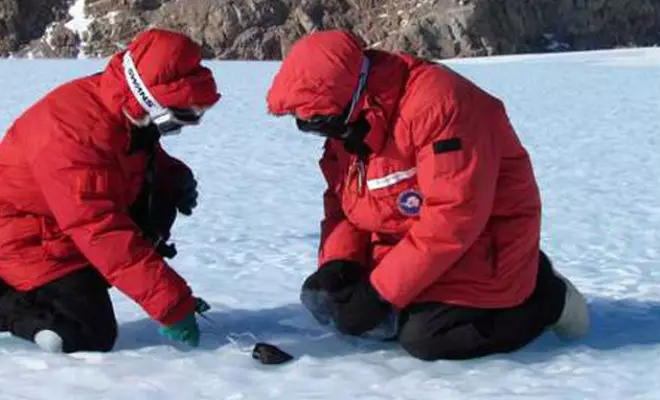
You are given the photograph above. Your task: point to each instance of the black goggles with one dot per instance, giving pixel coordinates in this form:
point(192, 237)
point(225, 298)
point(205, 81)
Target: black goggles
point(171, 120)
point(337, 126)
point(333, 126)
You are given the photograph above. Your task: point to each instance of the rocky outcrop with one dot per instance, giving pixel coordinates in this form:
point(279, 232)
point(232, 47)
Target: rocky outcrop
point(265, 29)
point(22, 21)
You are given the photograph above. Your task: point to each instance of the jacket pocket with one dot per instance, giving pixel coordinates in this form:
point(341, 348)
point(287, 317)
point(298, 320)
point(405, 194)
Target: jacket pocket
point(390, 200)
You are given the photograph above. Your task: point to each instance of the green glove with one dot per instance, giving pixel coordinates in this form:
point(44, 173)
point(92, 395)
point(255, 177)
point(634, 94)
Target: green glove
point(186, 331)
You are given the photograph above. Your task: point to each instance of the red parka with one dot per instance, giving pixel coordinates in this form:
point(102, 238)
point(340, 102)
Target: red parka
point(67, 177)
point(447, 207)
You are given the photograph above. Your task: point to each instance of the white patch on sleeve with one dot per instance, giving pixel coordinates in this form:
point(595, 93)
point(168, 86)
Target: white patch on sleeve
point(391, 179)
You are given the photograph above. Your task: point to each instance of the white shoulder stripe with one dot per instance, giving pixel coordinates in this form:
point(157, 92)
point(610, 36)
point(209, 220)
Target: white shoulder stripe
point(391, 179)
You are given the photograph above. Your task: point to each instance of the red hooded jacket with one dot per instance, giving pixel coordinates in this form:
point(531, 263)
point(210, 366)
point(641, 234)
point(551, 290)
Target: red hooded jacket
point(68, 177)
point(447, 207)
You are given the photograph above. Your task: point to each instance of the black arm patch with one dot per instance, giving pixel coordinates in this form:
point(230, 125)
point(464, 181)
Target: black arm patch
point(447, 145)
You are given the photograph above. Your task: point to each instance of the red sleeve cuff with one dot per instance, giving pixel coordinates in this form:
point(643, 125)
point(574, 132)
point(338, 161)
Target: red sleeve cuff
point(179, 312)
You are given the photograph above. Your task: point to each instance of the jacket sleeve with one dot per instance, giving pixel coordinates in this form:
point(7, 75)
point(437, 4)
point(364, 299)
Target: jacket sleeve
point(457, 166)
point(85, 190)
point(340, 240)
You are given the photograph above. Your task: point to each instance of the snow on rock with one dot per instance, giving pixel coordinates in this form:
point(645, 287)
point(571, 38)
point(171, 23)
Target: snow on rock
point(79, 24)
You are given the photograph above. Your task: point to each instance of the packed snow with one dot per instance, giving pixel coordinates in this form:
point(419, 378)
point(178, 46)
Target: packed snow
point(590, 122)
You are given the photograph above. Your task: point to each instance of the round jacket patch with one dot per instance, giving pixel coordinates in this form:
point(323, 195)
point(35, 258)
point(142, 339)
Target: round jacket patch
point(409, 202)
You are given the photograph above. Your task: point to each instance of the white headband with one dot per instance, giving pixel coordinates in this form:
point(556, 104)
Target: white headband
point(139, 89)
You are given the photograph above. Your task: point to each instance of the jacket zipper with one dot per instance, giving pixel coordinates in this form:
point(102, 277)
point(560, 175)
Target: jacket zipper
point(358, 167)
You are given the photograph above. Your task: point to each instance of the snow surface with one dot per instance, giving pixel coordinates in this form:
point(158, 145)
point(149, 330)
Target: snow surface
point(590, 122)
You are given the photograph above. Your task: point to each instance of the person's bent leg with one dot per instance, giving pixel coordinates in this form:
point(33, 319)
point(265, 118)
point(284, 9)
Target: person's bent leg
point(435, 331)
point(72, 313)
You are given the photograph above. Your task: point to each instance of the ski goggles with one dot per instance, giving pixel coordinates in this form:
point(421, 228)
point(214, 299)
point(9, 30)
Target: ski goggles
point(169, 121)
point(336, 126)
point(333, 126)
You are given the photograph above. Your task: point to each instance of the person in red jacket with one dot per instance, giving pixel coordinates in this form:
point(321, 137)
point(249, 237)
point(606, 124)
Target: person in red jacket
point(432, 211)
point(88, 197)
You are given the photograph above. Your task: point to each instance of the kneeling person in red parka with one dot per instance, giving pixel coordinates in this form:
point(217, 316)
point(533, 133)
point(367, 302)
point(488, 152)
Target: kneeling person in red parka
point(88, 197)
point(432, 212)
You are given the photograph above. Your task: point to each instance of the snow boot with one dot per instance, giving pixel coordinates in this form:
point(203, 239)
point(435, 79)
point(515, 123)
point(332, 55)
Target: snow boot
point(574, 321)
point(49, 341)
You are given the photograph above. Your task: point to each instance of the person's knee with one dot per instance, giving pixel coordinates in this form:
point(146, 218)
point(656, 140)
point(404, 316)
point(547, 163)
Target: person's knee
point(432, 348)
point(101, 339)
point(420, 350)
point(417, 340)
point(425, 341)
point(108, 340)
point(443, 348)
point(104, 340)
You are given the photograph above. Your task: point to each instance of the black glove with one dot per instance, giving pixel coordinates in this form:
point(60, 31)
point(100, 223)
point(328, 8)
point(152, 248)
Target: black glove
point(358, 308)
point(340, 292)
point(186, 193)
point(333, 276)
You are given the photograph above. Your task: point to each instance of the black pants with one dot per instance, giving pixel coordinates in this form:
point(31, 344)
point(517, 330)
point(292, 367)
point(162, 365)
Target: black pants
point(433, 331)
point(77, 307)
